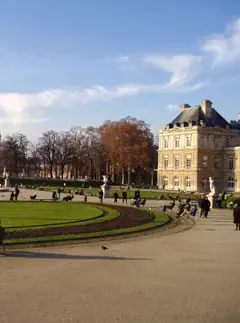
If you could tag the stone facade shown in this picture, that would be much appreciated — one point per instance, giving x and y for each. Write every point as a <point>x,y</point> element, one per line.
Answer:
<point>197,145</point>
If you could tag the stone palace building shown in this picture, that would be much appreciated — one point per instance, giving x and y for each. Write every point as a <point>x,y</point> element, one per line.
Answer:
<point>199,143</point>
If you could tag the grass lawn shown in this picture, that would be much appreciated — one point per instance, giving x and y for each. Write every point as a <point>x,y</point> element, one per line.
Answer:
<point>147,194</point>
<point>29,215</point>
<point>160,220</point>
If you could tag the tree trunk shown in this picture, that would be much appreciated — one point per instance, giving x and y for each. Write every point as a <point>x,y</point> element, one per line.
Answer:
<point>107,166</point>
<point>123,177</point>
<point>113,174</point>
<point>152,178</point>
<point>129,177</point>
<point>51,171</point>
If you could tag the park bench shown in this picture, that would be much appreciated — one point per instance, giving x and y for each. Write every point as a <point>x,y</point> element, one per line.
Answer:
<point>42,200</point>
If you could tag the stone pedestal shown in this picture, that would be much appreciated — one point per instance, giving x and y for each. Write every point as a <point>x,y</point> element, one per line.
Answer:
<point>6,182</point>
<point>105,187</point>
<point>213,200</point>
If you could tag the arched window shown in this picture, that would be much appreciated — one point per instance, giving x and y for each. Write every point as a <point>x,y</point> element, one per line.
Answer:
<point>230,182</point>
<point>188,181</point>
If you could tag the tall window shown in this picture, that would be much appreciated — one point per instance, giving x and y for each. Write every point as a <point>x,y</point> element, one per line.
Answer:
<point>165,162</point>
<point>216,162</point>
<point>188,181</point>
<point>165,182</point>
<point>188,162</point>
<point>177,162</point>
<point>227,143</point>
<point>188,141</point>
<point>177,142</point>
<point>176,181</point>
<point>230,182</point>
<point>231,163</point>
<point>165,142</point>
<point>205,162</point>
<point>205,141</point>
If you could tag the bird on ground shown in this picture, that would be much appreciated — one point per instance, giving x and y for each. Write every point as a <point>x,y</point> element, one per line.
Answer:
<point>104,248</point>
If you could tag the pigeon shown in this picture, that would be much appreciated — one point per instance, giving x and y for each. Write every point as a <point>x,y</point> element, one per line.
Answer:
<point>104,248</point>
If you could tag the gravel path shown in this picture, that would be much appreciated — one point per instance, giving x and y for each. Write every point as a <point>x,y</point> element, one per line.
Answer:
<point>192,276</point>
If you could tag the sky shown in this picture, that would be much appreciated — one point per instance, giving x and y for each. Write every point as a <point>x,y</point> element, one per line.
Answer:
<point>79,63</point>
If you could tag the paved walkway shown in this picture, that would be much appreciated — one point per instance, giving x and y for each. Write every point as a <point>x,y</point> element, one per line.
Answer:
<point>192,276</point>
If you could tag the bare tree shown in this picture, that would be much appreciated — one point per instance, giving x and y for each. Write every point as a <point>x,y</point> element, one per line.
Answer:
<point>14,153</point>
<point>48,149</point>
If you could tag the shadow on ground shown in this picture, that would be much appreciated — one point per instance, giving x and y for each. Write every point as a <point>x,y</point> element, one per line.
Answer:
<point>39,255</point>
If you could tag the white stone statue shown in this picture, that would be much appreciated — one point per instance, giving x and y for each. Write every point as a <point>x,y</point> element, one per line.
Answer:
<point>212,187</point>
<point>6,178</point>
<point>105,186</point>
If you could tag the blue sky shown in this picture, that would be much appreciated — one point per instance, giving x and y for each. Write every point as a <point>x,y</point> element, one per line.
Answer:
<point>69,63</point>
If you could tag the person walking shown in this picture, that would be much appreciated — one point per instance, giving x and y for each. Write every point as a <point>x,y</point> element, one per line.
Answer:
<point>124,197</point>
<point>54,196</point>
<point>236,216</point>
<point>100,195</point>
<point>17,191</point>
<point>202,205</point>
<point>115,196</point>
<point>59,193</point>
<point>207,206</point>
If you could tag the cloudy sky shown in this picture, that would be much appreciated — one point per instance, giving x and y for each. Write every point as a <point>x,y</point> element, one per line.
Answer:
<point>67,63</point>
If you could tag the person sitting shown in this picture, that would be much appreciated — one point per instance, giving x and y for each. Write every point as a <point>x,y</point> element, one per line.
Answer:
<point>171,205</point>
<point>188,211</point>
<point>164,209</point>
<point>68,198</point>
<point>143,202</point>
<point>180,209</point>
<point>32,197</point>
<point>12,196</point>
<point>54,196</point>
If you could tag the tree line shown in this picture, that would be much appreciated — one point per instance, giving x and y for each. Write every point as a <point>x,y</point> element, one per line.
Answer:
<point>123,149</point>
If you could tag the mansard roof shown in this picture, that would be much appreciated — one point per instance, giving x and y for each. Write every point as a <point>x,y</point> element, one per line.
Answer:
<point>196,116</point>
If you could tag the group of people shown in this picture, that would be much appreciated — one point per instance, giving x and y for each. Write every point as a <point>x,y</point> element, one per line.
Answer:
<point>14,194</point>
<point>187,209</point>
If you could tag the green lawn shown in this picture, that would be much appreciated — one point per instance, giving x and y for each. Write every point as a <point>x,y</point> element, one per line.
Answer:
<point>25,214</point>
<point>160,220</point>
<point>147,194</point>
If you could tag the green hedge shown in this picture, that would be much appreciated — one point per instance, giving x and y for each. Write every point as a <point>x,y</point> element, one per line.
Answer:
<point>233,199</point>
<point>55,183</point>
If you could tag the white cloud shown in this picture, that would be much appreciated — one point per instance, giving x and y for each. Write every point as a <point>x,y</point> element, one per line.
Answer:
<point>22,108</point>
<point>30,108</point>
<point>224,48</point>
<point>171,107</point>
<point>123,59</point>
<point>185,69</point>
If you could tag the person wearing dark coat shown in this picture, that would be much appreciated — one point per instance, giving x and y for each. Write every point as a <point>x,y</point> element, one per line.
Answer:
<point>124,196</point>
<point>205,205</point>
<point>236,216</point>
<point>115,195</point>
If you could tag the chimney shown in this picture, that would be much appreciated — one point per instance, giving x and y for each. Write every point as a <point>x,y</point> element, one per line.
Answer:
<point>184,106</point>
<point>207,108</point>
